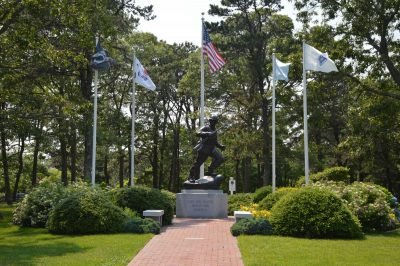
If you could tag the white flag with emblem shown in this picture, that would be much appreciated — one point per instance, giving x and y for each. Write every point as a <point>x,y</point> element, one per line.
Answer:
<point>142,77</point>
<point>317,61</point>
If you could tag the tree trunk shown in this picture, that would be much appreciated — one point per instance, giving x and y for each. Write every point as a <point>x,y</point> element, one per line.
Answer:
<point>20,167</point>
<point>174,173</point>
<point>35,157</point>
<point>237,174</point>
<point>4,159</point>
<point>266,143</point>
<point>121,159</point>
<point>64,161</point>
<point>86,76</point>
<point>73,153</point>
<point>87,160</point>
<point>154,160</point>
<point>246,163</point>
<point>106,175</point>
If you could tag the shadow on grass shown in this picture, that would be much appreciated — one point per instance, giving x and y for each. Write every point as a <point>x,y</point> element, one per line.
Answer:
<point>25,254</point>
<point>391,234</point>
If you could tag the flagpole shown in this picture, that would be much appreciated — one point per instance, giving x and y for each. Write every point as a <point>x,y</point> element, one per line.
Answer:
<point>133,107</point>
<point>273,125</point>
<point>202,86</point>
<point>306,164</point>
<point>96,80</point>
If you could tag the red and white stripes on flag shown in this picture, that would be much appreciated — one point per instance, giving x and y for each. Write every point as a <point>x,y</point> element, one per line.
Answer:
<point>215,60</point>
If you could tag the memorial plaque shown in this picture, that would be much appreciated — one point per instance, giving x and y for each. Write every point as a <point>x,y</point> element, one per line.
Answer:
<point>201,204</point>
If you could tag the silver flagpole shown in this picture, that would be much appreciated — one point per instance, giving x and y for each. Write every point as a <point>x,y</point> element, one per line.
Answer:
<point>306,165</point>
<point>96,79</point>
<point>133,107</point>
<point>273,124</point>
<point>202,87</point>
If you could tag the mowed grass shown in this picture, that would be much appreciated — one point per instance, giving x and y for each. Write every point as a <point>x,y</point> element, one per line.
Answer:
<point>33,246</point>
<point>375,249</point>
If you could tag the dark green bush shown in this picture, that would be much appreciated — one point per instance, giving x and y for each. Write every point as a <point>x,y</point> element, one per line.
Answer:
<point>336,173</point>
<point>261,193</point>
<point>237,200</point>
<point>86,213</point>
<point>34,209</point>
<point>314,213</point>
<point>139,226</point>
<point>251,226</point>
<point>269,201</point>
<point>140,198</point>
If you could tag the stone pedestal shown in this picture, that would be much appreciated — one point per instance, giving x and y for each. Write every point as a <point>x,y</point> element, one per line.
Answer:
<point>196,203</point>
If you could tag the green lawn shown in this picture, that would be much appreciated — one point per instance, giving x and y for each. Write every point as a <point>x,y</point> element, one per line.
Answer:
<point>375,249</point>
<point>32,246</point>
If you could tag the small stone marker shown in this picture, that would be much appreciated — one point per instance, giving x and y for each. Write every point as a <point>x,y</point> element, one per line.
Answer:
<point>156,215</point>
<point>232,185</point>
<point>241,214</point>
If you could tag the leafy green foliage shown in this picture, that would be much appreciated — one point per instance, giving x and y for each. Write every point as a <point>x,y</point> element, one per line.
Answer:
<point>337,174</point>
<point>251,226</point>
<point>369,202</point>
<point>140,198</point>
<point>34,209</point>
<point>87,213</point>
<point>142,226</point>
<point>314,213</point>
<point>237,200</point>
<point>269,201</point>
<point>261,193</point>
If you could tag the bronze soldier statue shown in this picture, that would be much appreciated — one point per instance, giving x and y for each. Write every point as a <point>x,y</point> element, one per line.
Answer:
<point>207,147</point>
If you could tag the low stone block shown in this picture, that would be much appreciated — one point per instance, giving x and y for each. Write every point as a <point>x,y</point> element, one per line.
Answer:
<point>242,214</point>
<point>156,215</point>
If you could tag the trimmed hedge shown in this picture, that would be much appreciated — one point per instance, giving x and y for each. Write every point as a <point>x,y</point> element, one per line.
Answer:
<point>237,200</point>
<point>314,213</point>
<point>261,193</point>
<point>269,201</point>
<point>251,226</point>
<point>140,198</point>
<point>86,213</point>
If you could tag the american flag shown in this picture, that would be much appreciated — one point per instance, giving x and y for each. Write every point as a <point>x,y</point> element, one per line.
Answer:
<point>215,60</point>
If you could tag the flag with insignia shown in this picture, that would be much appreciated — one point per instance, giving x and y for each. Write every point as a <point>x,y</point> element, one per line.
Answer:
<point>317,61</point>
<point>101,60</point>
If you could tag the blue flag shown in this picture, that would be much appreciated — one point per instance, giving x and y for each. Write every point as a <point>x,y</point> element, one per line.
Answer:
<point>101,60</point>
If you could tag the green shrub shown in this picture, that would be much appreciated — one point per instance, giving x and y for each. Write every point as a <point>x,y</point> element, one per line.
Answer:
<point>139,226</point>
<point>314,213</point>
<point>237,200</point>
<point>269,201</point>
<point>336,173</point>
<point>251,226</point>
<point>34,209</point>
<point>140,198</point>
<point>86,213</point>
<point>261,193</point>
<point>371,203</point>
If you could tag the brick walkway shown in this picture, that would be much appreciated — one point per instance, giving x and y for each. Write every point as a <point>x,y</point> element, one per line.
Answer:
<point>192,242</point>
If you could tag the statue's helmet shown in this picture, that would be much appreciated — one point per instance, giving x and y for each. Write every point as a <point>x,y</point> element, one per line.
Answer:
<point>213,118</point>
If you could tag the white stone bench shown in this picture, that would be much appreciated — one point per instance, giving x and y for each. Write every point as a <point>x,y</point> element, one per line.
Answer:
<point>241,214</point>
<point>156,215</point>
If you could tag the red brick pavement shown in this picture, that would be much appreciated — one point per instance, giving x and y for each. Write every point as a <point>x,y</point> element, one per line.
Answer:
<point>192,242</point>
